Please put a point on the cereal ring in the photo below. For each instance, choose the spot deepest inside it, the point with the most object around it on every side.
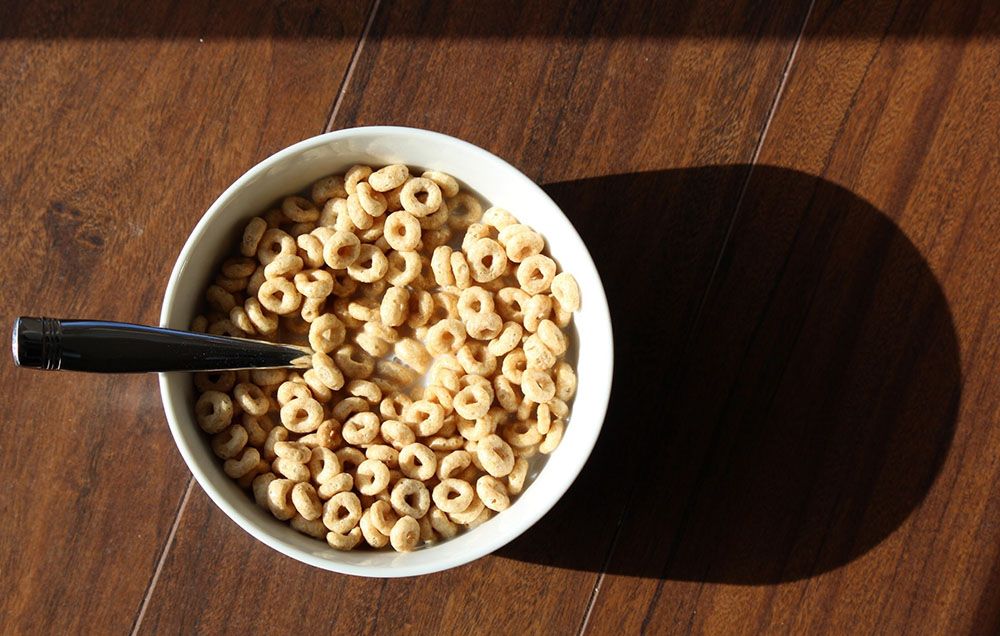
(520, 242)
(453, 495)
(560, 315)
(410, 497)
(293, 451)
(361, 428)
(341, 250)
(543, 421)
(326, 436)
(326, 333)
(537, 386)
(372, 477)
(535, 273)
(226, 328)
(385, 454)
(536, 310)
(314, 528)
(257, 428)
(277, 434)
(354, 362)
(441, 266)
(259, 487)
(445, 444)
(232, 285)
(441, 523)
(460, 270)
(513, 366)
(507, 394)
(473, 301)
(402, 231)
(344, 542)
(552, 337)
(404, 267)
(465, 210)
(251, 399)
(279, 296)
(343, 286)
(425, 418)
(398, 434)
(453, 463)
(413, 354)
(371, 201)
(416, 461)
(239, 318)
(342, 482)
(229, 442)
(302, 415)
(470, 514)
(566, 291)
(475, 430)
(473, 401)
(498, 218)
(389, 177)
(328, 188)
(299, 209)
(487, 260)
(279, 495)
(365, 389)
(213, 411)
(565, 382)
(553, 437)
(199, 324)
(290, 390)
(349, 406)
(522, 434)
(342, 512)
(238, 267)
(289, 469)
(474, 232)
(495, 455)
(354, 175)
(372, 535)
(394, 305)
(438, 395)
(537, 354)
(252, 235)
(370, 266)
(314, 283)
(256, 280)
(511, 303)
(326, 371)
(446, 336)
(476, 359)
(310, 250)
(492, 493)
(324, 464)
(447, 183)
(509, 337)
(274, 243)
(221, 381)
(410, 194)
(306, 501)
(516, 478)
(219, 299)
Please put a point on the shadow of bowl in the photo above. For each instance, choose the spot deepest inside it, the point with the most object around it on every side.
(777, 426)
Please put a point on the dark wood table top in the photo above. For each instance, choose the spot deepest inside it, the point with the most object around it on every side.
(795, 207)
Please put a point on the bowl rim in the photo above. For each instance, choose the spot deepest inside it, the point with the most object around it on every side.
(596, 298)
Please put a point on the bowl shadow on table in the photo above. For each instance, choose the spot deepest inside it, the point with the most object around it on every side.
(776, 427)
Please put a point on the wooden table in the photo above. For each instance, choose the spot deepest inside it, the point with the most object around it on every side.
(795, 207)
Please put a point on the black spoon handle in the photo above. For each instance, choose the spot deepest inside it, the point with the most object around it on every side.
(118, 347)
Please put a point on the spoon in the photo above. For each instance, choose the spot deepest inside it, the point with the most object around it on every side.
(117, 347)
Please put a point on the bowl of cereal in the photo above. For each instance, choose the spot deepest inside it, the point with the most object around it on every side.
(462, 352)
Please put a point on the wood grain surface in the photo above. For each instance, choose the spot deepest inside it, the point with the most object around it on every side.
(793, 207)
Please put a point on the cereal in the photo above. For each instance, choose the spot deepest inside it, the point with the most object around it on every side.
(388, 277)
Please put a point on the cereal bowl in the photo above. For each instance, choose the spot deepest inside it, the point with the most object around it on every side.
(496, 183)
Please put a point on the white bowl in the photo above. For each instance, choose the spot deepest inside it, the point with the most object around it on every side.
(498, 183)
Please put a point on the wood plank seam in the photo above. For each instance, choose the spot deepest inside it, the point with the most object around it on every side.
(168, 543)
(786, 72)
(358, 48)
(162, 558)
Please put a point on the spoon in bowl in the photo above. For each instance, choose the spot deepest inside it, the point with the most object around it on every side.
(117, 347)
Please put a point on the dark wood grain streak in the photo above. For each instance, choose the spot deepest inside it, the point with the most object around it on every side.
(111, 152)
(560, 111)
(843, 377)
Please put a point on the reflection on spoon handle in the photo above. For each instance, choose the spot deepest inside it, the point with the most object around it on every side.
(117, 347)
